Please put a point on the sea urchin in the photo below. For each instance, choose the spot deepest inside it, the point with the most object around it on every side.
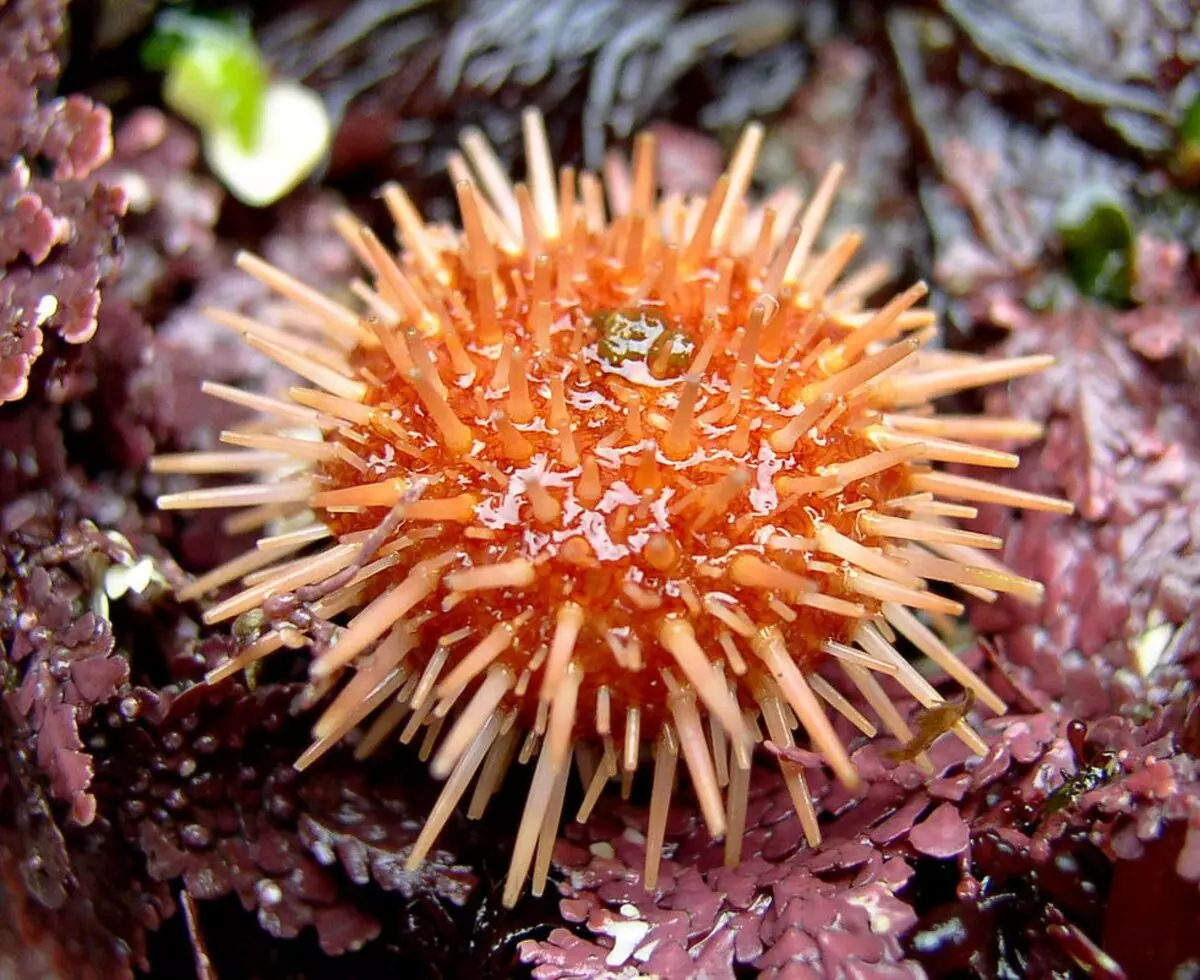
(610, 476)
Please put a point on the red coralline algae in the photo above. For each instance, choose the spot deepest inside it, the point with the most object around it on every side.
(58, 225)
(1032, 821)
(1124, 578)
(170, 239)
(786, 910)
(1057, 811)
(62, 657)
(63, 674)
(1056, 852)
(219, 836)
(943, 834)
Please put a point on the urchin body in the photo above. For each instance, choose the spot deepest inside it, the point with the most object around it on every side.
(649, 479)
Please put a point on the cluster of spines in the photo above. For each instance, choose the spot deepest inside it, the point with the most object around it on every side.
(433, 314)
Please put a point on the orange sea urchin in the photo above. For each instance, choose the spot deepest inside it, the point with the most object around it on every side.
(640, 475)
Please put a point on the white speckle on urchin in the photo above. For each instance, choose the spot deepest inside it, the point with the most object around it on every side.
(634, 836)
(382, 464)
(602, 849)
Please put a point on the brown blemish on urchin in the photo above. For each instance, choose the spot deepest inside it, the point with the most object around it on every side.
(651, 471)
